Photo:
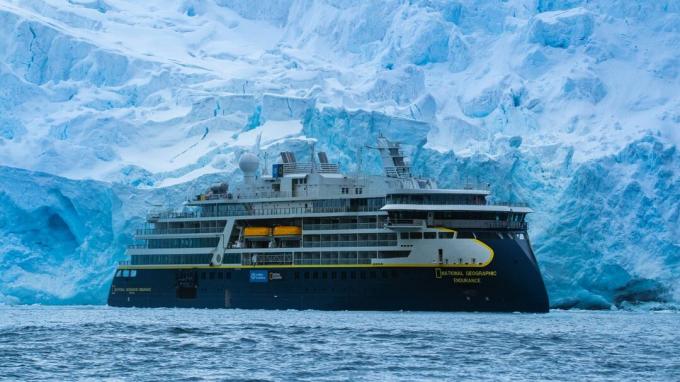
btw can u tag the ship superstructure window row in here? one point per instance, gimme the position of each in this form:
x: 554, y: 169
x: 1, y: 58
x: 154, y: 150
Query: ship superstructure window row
x: 453, y: 199
x: 320, y: 258
x: 202, y: 242
x: 293, y: 207
x: 171, y: 259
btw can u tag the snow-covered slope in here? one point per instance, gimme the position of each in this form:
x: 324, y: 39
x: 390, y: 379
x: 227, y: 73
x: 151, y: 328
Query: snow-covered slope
x: 572, y: 106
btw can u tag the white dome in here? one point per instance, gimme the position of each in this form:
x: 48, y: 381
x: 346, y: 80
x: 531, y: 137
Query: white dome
x: 248, y: 163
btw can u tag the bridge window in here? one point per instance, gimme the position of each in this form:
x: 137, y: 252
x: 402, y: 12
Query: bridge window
x: 430, y: 235
x: 446, y: 235
x: 133, y: 273
x: 416, y: 235
x: 126, y: 273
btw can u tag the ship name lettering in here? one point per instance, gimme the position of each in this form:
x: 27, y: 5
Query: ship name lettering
x: 467, y: 280
x: 480, y: 273
x: 133, y: 290
x: 451, y: 273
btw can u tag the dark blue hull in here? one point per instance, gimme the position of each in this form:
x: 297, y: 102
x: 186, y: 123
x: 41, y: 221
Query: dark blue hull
x: 512, y: 282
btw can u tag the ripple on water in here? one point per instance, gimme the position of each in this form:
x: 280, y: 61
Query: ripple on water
x: 169, y: 344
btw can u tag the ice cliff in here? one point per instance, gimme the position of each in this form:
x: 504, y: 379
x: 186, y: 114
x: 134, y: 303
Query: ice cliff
x: 109, y: 107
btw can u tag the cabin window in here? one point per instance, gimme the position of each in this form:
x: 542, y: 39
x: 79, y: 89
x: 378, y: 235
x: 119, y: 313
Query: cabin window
x: 403, y: 235
x: 297, y: 275
x: 446, y: 235
x: 133, y: 273
x: 220, y: 275
x: 212, y: 275
x: 334, y: 275
x: 324, y: 275
x: 343, y: 275
x: 306, y: 275
x: 430, y: 235
x: 315, y: 275
x: 416, y: 235
x: 126, y: 273
x: 119, y: 273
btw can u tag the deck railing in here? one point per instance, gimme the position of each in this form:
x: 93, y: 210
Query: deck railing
x: 481, y: 224
x: 169, y: 231
x: 335, y: 226
x: 350, y: 243
x: 259, y: 212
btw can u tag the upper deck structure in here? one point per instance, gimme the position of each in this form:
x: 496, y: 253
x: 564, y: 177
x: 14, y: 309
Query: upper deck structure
x: 309, y: 215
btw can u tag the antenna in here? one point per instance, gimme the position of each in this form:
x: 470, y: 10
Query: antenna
x: 313, y: 155
x: 257, y: 143
x: 264, y: 170
x: 360, y: 158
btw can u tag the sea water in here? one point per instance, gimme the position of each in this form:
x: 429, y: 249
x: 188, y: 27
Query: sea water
x: 103, y: 343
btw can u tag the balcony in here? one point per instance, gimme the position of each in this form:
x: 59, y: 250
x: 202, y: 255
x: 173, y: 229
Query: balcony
x: 336, y: 226
x: 261, y: 212
x: 405, y: 224
x: 480, y: 224
x: 351, y: 243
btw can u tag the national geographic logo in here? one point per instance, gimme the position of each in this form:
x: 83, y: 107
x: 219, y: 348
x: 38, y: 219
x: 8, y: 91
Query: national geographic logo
x: 463, y: 277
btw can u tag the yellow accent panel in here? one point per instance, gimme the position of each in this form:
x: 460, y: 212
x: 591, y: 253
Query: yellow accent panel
x: 287, y: 230
x: 257, y: 231
x: 489, y: 249
x: 444, y: 229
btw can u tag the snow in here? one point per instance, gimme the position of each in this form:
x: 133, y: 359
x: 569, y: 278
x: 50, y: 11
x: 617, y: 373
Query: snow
x: 570, y: 105
x: 561, y: 29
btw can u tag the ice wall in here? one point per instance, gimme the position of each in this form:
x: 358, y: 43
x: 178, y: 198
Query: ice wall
x: 569, y: 105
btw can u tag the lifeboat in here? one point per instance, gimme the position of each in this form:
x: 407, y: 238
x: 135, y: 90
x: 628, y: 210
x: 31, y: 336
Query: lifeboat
x: 257, y: 231
x: 287, y: 230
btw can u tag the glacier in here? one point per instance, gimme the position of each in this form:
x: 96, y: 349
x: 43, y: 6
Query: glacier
x: 109, y: 108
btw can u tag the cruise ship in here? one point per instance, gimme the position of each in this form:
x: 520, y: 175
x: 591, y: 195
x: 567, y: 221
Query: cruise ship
x: 306, y: 236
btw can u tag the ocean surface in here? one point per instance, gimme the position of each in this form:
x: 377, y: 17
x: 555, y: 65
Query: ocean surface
x: 103, y: 343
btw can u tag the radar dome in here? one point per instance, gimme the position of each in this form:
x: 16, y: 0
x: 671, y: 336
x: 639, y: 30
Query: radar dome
x: 248, y: 163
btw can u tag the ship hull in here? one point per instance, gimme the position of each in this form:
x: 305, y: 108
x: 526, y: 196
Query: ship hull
x: 511, y: 282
